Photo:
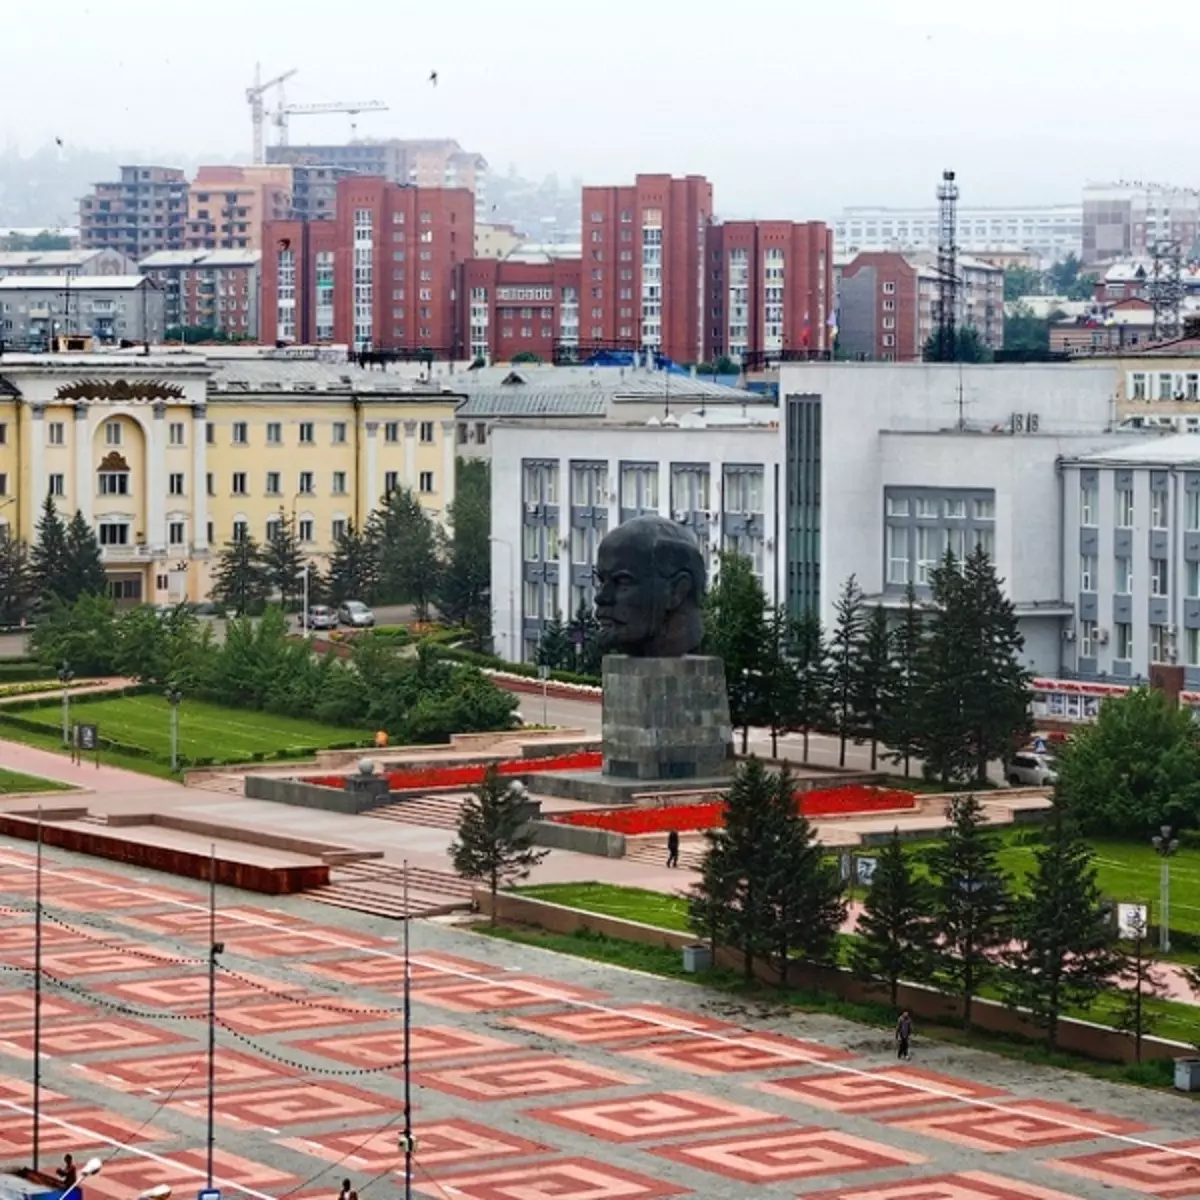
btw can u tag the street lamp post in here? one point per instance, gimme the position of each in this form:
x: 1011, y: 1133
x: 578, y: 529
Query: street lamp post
x: 307, y: 633
x: 512, y: 601
x: 65, y: 675
x: 89, y: 1168
x: 1165, y: 845
x: 174, y: 696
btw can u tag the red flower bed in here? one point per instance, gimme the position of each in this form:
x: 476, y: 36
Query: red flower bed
x: 687, y: 818
x: 467, y: 775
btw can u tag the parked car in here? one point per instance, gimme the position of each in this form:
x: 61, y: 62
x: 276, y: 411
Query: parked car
x: 1031, y: 770
x: 321, y: 617
x: 356, y: 614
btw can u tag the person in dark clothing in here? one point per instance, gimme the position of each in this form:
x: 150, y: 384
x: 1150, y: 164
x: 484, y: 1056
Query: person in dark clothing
x: 673, y: 848
x: 68, y: 1172
x: 903, y: 1036
x: 346, y: 1191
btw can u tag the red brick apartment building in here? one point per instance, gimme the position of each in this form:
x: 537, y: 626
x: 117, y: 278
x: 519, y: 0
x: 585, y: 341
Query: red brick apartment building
x: 379, y: 276
x: 643, y: 277
x: 879, y: 301
x: 507, y: 307
x: 770, y: 289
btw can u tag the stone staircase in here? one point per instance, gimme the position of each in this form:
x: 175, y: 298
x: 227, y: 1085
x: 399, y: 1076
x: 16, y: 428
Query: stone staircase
x: 652, y: 852
x: 377, y: 888
x: 434, y: 812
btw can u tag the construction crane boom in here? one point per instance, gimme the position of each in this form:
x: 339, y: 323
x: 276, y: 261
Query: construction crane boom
x: 254, y: 97
x: 353, y: 107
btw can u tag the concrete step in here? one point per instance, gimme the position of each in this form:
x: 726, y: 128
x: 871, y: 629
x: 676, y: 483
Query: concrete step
x: 432, y: 812
x: 379, y: 890
x: 654, y: 853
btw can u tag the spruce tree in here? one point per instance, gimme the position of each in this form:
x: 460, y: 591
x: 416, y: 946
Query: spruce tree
x: 970, y: 901
x: 895, y: 934
x: 779, y: 678
x: 814, y: 676
x: 409, y: 548
x: 849, y: 625
x: 353, y: 567
x: 1064, y: 942
x: 85, y: 568
x: 239, y: 577
x: 736, y: 632
x: 901, y: 724
x: 875, y: 678
x: 585, y: 638
x: 494, y: 843
x: 48, y: 558
x: 283, y: 563
x: 18, y: 590
x: 555, y: 648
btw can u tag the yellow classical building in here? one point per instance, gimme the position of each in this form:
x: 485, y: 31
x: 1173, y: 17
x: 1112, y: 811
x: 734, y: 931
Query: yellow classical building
x: 171, y: 456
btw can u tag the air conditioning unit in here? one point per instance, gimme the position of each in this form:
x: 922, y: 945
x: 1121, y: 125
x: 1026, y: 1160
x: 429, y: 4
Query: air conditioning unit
x: 680, y: 515
x: 531, y: 510
x: 1101, y: 637
x: 1068, y: 635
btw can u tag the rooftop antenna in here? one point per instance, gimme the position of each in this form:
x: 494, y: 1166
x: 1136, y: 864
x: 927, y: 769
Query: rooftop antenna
x: 946, y: 347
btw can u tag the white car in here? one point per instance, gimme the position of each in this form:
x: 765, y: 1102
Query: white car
x: 1029, y: 769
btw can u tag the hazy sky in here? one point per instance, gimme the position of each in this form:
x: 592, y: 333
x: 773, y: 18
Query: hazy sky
x: 793, y: 108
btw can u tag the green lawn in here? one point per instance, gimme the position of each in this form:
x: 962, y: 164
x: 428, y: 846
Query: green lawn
x: 12, y: 782
x: 205, y: 730
x: 610, y: 900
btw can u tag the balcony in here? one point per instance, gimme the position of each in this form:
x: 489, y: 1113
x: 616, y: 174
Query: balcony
x: 126, y: 555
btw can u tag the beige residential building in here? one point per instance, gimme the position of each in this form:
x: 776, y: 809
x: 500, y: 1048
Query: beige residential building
x: 227, y: 206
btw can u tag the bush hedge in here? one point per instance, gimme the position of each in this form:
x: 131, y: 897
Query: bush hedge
x: 24, y: 670
x: 528, y: 670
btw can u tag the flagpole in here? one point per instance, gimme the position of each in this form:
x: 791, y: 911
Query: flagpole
x: 408, y: 1137
x: 37, y: 996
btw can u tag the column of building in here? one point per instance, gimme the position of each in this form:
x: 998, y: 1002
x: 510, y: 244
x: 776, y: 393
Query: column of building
x: 37, y: 464
x: 81, y: 444
x: 156, y: 476
x: 372, y: 481
x: 410, y: 454
x: 449, y: 430
x: 199, y: 479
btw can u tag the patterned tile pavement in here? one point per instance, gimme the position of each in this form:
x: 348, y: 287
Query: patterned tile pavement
x: 534, y: 1078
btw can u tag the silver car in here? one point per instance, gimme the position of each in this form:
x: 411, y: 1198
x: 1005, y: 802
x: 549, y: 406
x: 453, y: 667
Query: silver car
x: 321, y: 617
x: 356, y: 614
x: 1030, y: 769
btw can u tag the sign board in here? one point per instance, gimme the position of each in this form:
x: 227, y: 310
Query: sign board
x: 543, y: 673
x: 1132, y: 919
x: 1039, y: 745
x: 865, y: 871
x: 208, y: 1194
x: 87, y: 737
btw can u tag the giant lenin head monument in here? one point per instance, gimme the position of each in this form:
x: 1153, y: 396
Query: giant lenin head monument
x: 666, y: 710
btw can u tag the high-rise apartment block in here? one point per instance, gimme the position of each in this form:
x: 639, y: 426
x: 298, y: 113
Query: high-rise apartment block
x: 643, y: 270
x: 379, y: 276
x: 512, y: 307
x: 227, y: 206
x: 770, y: 290
x: 142, y: 212
x: 1127, y: 220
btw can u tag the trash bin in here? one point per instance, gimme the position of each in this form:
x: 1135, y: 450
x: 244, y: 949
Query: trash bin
x: 1187, y: 1074
x: 697, y: 958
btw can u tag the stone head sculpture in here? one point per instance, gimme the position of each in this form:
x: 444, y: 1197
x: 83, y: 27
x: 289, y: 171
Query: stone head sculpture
x: 650, y: 583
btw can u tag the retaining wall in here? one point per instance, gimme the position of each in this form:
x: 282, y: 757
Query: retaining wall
x: 582, y: 840
x: 1078, y: 1037
x: 307, y: 795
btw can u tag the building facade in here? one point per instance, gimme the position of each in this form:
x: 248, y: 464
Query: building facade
x: 1127, y: 220
x: 142, y: 212
x: 644, y: 266
x: 216, y: 290
x: 507, y: 308
x: 65, y: 262
x: 228, y: 206
x: 110, y: 308
x: 770, y: 290
x: 170, y: 458
x: 555, y: 495
x: 314, y: 191
x: 379, y: 276
x: 1049, y: 231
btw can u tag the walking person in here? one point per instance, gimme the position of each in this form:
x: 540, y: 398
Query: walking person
x: 346, y: 1191
x: 673, y: 848
x: 903, y: 1036
x: 68, y: 1172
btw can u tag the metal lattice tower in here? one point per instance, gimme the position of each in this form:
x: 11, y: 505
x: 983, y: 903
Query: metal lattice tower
x: 947, y: 301
x: 1166, y: 289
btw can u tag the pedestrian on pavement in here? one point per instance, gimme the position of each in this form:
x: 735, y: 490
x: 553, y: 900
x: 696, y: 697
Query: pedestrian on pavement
x: 903, y: 1036
x: 68, y: 1173
x: 346, y: 1191
x: 673, y: 848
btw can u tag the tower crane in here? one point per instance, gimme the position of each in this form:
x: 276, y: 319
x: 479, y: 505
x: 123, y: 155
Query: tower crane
x: 254, y: 97
x: 353, y: 107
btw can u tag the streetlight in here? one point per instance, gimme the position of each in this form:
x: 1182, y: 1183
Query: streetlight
x: 174, y: 696
x: 512, y: 602
x: 65, y: 675
x: 1165, y: 845
x: 161, y: 1191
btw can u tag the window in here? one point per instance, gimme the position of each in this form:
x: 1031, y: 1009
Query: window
x: 114, y: 483
x: 306, y: 433
x: 54, y: 433
x: 175, y: 433
x: 1158, y: 577
x: 112, y: 433
x: 175, y: 533
x: 1123, y: 637
x: 1139, y: 386
x: 1158, y: 509
x: 926, y: 507
x: 897, y: 506
x: 210, y: 484
x: 240, y: 530
x: 1123, y: 577
x: 306, y: 529
x: 1164, y: 387
x: 425, y: 482
x: 273, y: 483
x: 1087, y: 639
x: 1089, y: 504
x: 897, y: 554
x: 56, y: 485
x: 3, y: 433
x: 929, y: 550
x: 274, y: 433
x: 239, y: 483
x: 391, y: 481
x: 1125, y: 508
x: 391, y: 431
x: 113, y: 533
x: 338, y: 529
x: 1160, y: 644
x: 339, y: 483
x: 175, y: 483
x: 1087, y: 573
x: 239, y: 433
x: 3, y: 485
x: 305, y: 485
x: 274, y: 528
x: 985, y: 509
x: 889, y: 289
x: 985, y: 540
x: 1192, y: 580
x: 339, y: 433
x: 210, y: 434
x: 1193, y: 387
x: 1191, y: 511
x: 427, y: 432
x: 956, y: 510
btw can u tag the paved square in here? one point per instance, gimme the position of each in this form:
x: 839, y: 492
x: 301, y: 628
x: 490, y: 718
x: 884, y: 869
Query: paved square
x: 189, y: 991
x: 184, y: 1172
x: 16, y: 1132
x: 100, y: 1036
x: 879, y: 1091
x: 1165, y: 1172
x: 428, y: 1043
x: 803, y: 1153
x: 586, y: 1026
x: 382, y: 969
x: 16, y: 1010
x: 299, y: 1103
x: 966, y: 1185
x: 524, y: 1077
x: 495, y: 997
x: 564, y: 1179
x: 710, y: 1056
x: 662, y: 1114
x: 184, y: 1074
x: 282, y: 1016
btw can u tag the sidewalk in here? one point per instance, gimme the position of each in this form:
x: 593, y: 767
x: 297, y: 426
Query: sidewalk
x: 104, y: 780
